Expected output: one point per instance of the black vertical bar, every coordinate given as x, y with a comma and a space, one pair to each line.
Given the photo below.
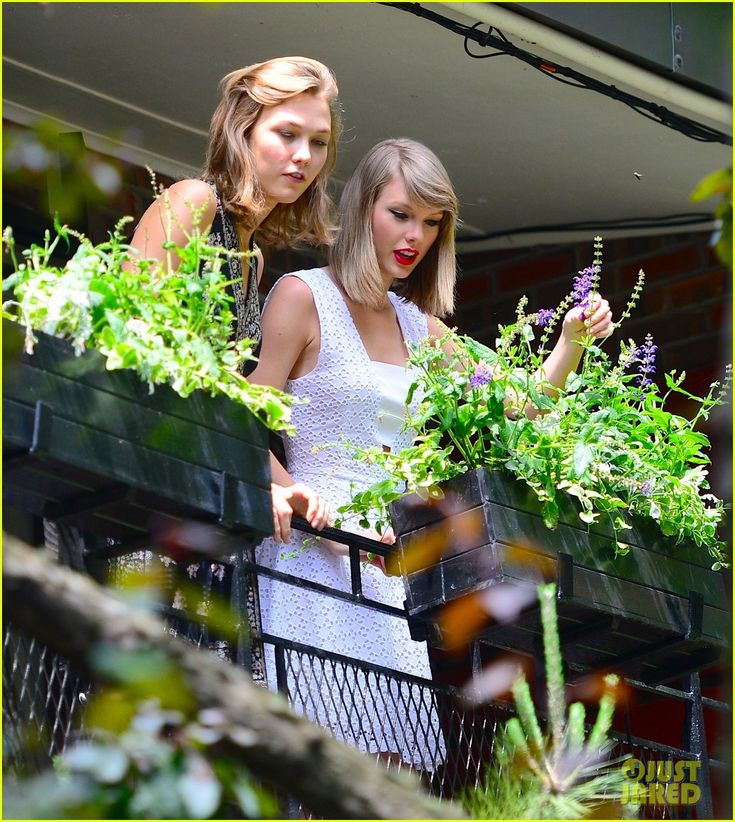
242, 653
229, 486
476, 659
564, 576
695, 741
695, 615
42, 419
281, 680
355, 576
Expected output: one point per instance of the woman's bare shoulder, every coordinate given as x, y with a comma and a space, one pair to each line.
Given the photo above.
194, 194
294, 292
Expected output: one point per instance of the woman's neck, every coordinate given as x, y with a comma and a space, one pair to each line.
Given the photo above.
245, 235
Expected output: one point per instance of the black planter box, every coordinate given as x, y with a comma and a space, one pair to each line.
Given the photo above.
95, 448
654, 614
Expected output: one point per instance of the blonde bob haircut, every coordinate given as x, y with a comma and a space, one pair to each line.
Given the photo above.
229, 165
352, 257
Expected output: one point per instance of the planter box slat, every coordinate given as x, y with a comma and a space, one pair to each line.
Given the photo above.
128, 420
528, 531
97, 449
481, 535
55, 356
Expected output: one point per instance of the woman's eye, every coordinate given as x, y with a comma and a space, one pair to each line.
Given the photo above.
399, 215
433, 223
287, 134
320, 143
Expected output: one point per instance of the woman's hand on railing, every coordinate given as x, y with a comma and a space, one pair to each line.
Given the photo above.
342, 550
296, 499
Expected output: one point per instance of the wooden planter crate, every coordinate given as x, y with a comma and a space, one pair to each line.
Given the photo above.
94, 448
654, 614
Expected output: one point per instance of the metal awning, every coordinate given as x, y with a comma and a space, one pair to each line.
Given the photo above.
523, 149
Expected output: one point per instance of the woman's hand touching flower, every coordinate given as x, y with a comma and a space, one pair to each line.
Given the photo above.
594, 320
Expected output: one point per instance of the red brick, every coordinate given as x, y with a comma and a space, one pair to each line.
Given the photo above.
472, 261
532, 271
720, 315
693, 290
666, 266
692, 354
470, 320
666, 328
470, 289
710, 258
549, 295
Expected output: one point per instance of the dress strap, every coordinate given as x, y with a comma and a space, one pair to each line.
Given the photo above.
414, 322
243, 286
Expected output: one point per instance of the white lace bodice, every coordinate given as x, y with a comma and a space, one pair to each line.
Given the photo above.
345, 398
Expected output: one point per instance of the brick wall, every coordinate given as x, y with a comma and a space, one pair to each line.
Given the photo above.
685, 305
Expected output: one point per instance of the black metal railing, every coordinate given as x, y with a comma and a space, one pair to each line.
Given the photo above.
437, 733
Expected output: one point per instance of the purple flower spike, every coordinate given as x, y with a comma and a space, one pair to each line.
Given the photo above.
582, 287
645, 356
647, 488
544, 317
483, 374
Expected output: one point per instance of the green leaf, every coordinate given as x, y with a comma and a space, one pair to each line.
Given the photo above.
583, 456
718, 182
550, 513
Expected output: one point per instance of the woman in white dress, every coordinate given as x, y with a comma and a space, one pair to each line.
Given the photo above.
337, 336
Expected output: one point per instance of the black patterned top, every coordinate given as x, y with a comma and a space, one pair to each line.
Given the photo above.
247, 305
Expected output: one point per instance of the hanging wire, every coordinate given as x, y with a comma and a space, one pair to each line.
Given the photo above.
646, 108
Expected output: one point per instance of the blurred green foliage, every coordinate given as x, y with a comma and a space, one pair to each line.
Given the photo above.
719, 183
558, 774
146, 749
49, 159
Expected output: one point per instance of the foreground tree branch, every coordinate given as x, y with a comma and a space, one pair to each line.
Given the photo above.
72, 614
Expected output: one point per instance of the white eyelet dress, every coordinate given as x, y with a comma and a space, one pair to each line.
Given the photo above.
351, 397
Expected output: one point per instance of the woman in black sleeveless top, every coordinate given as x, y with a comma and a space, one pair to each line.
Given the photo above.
272, 144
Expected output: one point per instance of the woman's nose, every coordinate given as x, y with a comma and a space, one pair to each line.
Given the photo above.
302, 152
413, 233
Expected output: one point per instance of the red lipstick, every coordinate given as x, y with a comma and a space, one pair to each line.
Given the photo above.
406, 256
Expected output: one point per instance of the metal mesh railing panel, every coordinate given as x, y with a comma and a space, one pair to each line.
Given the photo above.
403, 721
42, 702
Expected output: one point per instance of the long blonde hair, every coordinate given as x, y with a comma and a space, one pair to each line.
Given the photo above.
244, 94
352, 257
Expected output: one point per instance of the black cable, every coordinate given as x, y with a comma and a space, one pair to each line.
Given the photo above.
670, 221
652, 111
483, 42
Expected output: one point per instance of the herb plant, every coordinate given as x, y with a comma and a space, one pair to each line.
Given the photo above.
605, 438
170, 327
557, 775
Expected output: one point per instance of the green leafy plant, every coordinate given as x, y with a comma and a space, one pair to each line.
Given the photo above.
605, 438
170, 327
560, 774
